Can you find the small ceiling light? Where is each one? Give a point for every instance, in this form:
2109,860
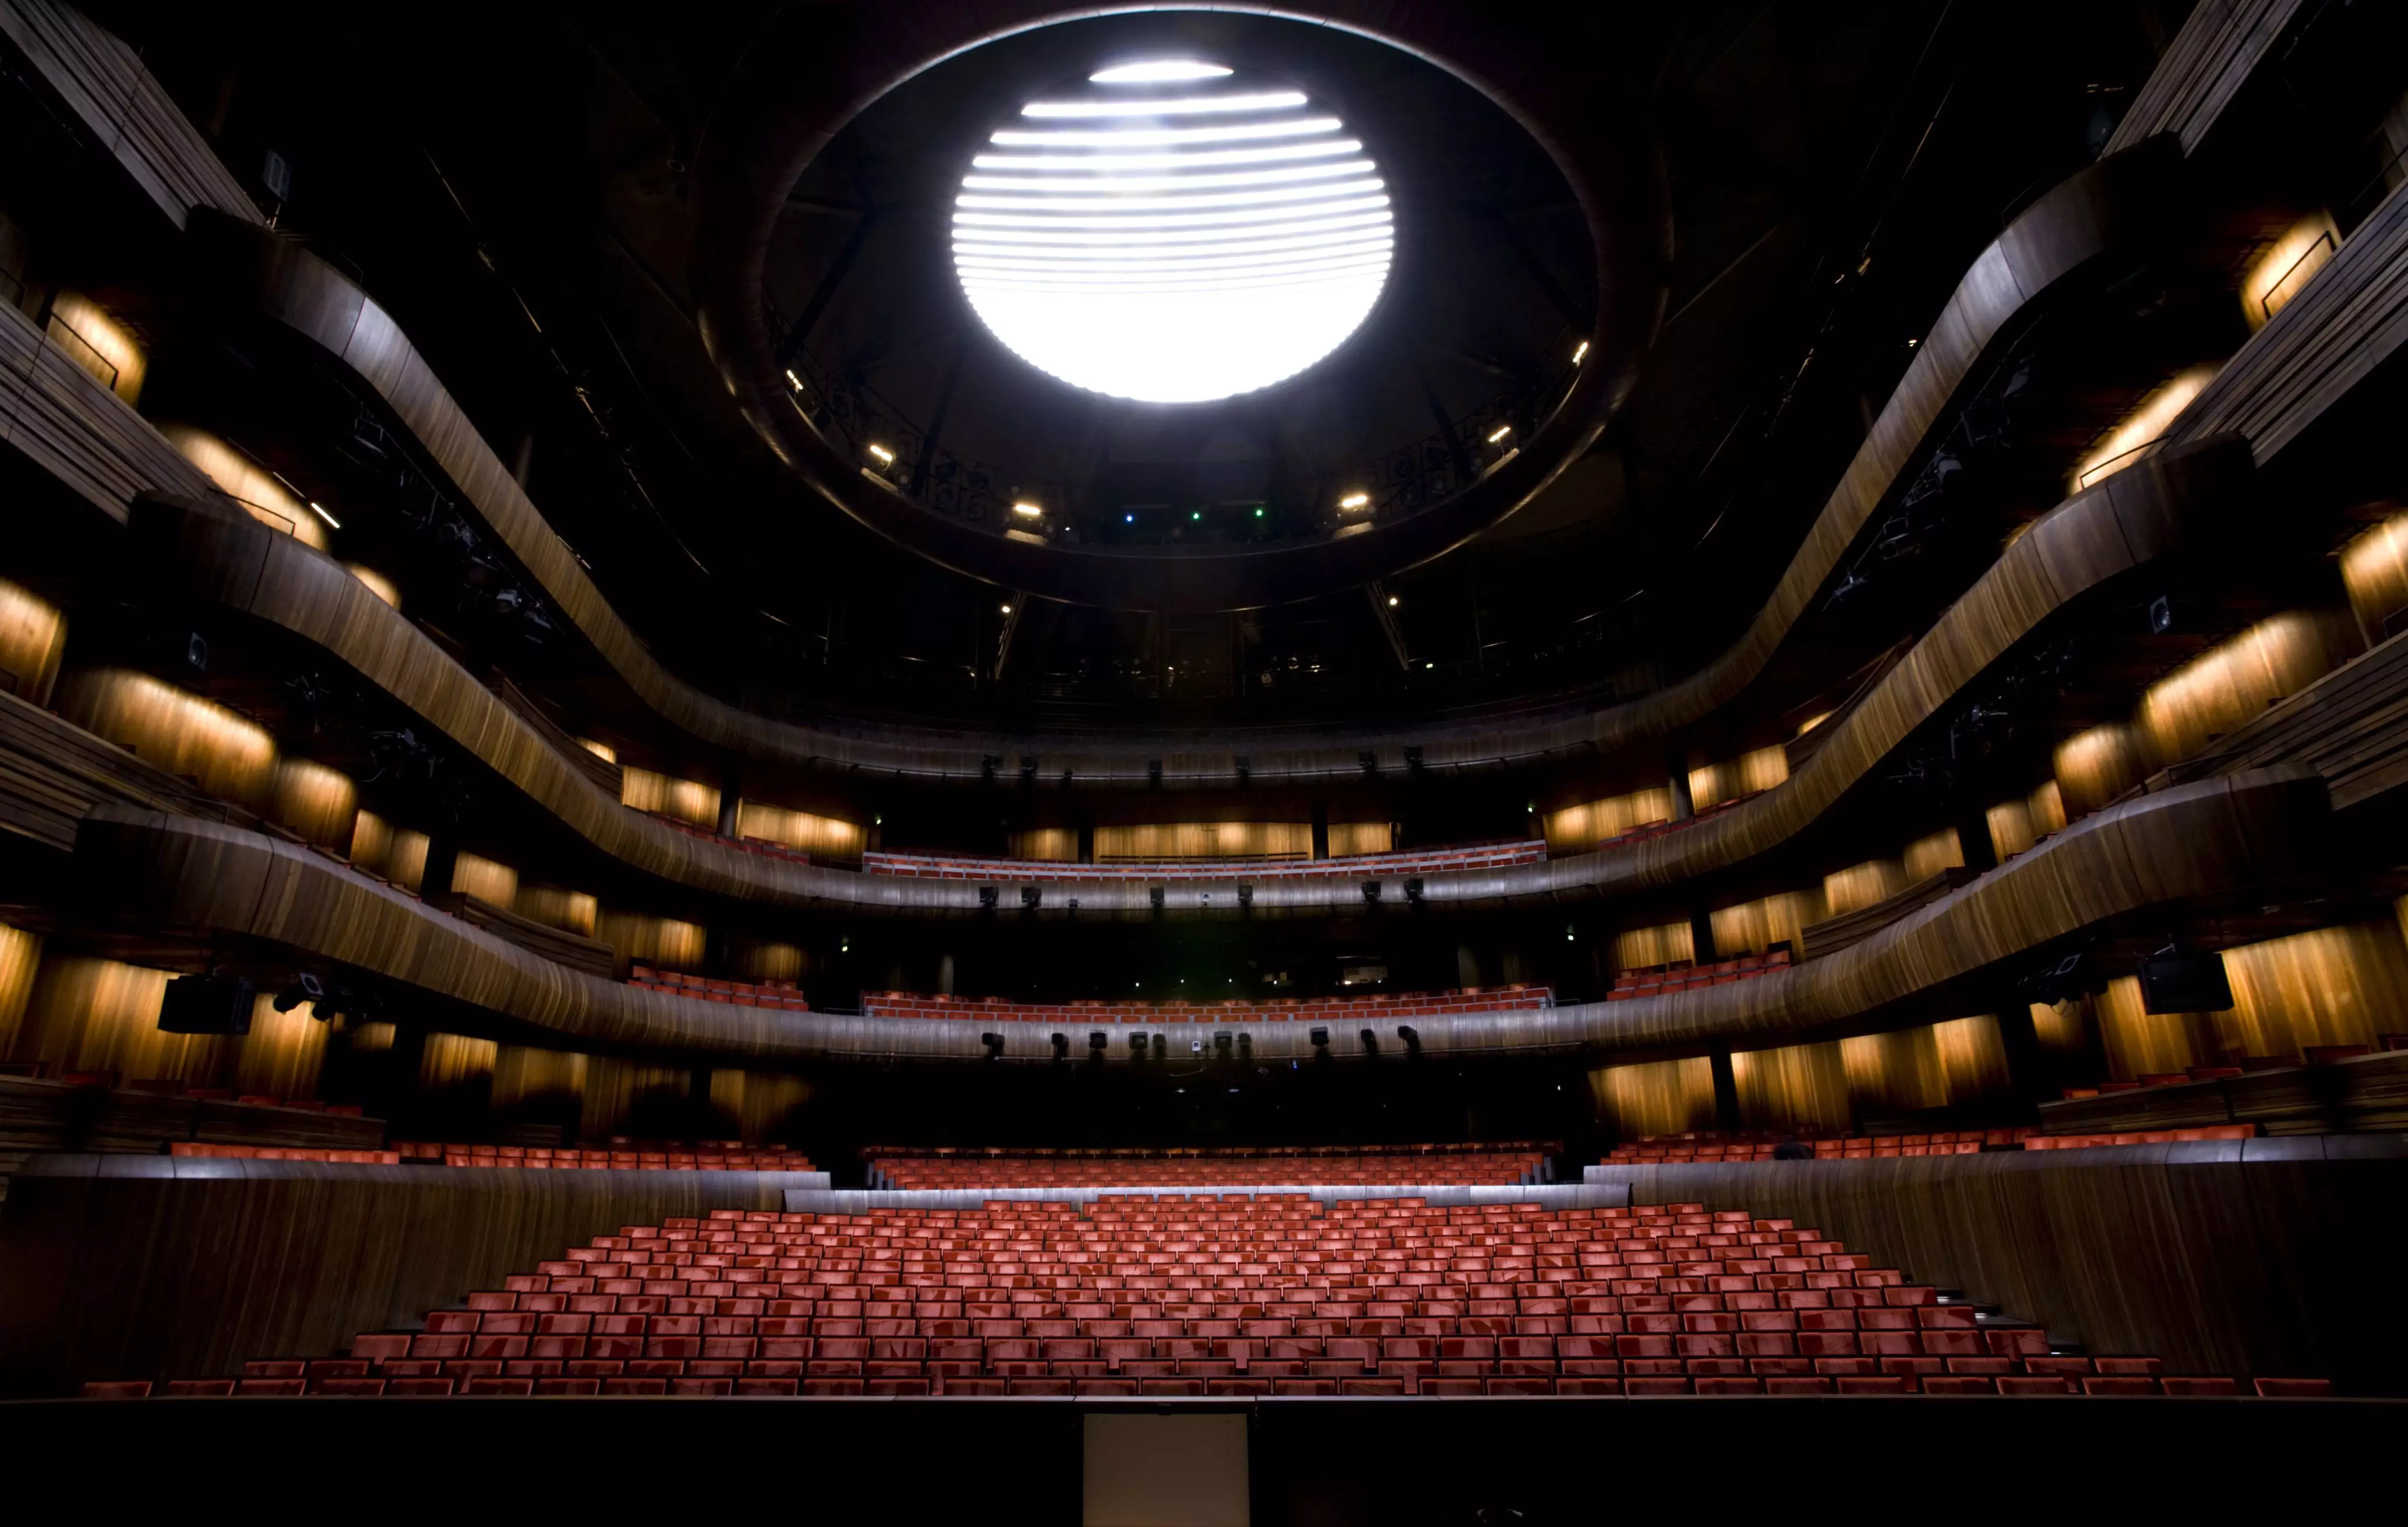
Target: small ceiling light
1499,433
792,380
1258,511
1392,602
1194,513
1912,343
1007,608
1430,665
885,457
1159,71
1582,354
1030,509
331,522
1128,519
1355,500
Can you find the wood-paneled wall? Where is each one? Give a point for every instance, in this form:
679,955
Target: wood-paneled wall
1637,948
248,483
1929,855
1357,839
2334,986
1734,777
375,583
1206,840
1656,1096
1861,886
2285,267
452,1061
283,1053
2097,766
2374,569
87,1014
21,960
1047,845
33,635
2248,1266
523,1073
1576,828
759,959
762,1104
2232,683
1751,927
488,880
556,906
688,801
2128,441
1838,1084
663,942
179,732
197,1272
97,340
322,804
617,1091
825,836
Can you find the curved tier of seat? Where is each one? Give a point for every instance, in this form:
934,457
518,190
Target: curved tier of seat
2121,201
2177,497
2242,835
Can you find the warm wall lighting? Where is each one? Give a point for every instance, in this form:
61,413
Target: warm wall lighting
1582,354
2128,440
1029,510
885,457
1007,608
1392,602
1355,500
319,510
2286,266
1498,434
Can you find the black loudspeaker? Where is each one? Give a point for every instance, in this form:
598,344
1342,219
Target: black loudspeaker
2185,984
207,1004
1321,1038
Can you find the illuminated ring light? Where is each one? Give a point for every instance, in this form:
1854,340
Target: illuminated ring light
1173,235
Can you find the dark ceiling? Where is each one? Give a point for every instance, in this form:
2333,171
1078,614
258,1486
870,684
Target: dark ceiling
516,184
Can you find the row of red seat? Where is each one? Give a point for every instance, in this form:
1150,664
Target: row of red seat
1496,1169
2315,1055
1684,976
1208,1153
1509,998
1490,856
778,994
2141,1137
1760,1145
40,1071
1230,1295
712,1155
205,1150
1959,1143
761,846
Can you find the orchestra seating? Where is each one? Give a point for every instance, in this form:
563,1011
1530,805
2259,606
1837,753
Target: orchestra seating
1426,1167
778,994
1213,1295
1759,1145
1418,861
1369,1009
1683,975
211,1151
621,1155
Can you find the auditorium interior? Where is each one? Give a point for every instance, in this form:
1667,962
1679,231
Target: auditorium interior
1319,762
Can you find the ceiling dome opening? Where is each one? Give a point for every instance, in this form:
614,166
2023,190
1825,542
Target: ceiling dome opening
1174,233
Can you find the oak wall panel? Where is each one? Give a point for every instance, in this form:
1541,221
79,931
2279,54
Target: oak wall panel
119,1266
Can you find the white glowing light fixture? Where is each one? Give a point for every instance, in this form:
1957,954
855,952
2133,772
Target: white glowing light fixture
885,457
1173,245
792,380
1355,500
1582,354
1027,509
1159,71
1498,434
332,524
1007,608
